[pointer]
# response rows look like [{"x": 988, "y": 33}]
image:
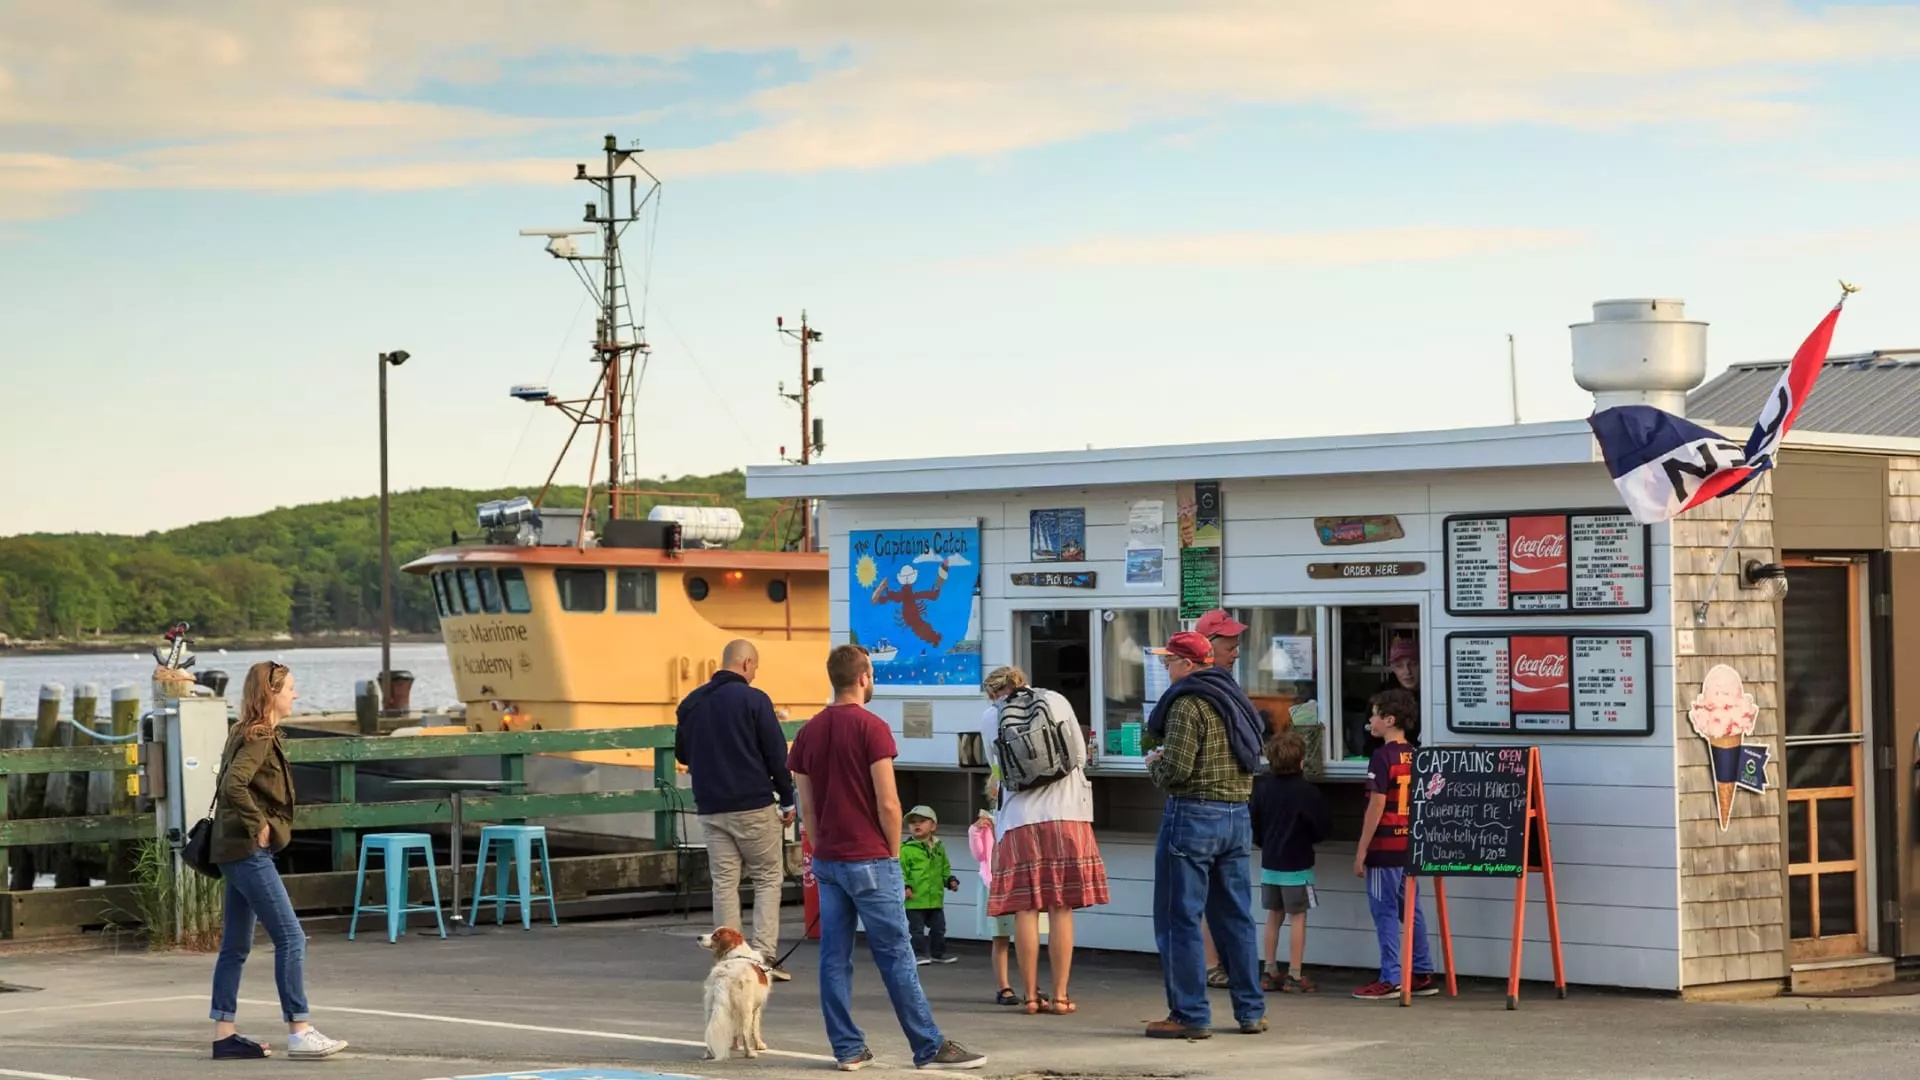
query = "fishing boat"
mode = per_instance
[{"x": 601, "y": 615}]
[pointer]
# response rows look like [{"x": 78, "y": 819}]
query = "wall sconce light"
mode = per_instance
[{"x": 1769, "y": 578}]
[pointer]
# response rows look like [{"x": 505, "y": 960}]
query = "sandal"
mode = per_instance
[
  {"x": 1006, "y": 996},
  {"x": 1032, "y": 1007},
  {"x": 1062, "y": 1005},
  {"x": 1269, "y": 984},
  {"x": 1217, "y": 978}
]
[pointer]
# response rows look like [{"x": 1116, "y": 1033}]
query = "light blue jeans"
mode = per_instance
[
  {"x": 254, "y": 891},
  {"x": 1387, "y": 898},
  {"x": 872, "y": 893},
  {"x": 1202, "y": 865}
]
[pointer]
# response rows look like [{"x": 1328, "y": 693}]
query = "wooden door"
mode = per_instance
[{"x": 1822, "y": 667}]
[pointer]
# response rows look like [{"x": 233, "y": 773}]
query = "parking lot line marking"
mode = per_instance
[
  {"x": 104, "y": 1004},
  {"x": 37, "y": 1076},
  {"x": 620, "y": 1036}
]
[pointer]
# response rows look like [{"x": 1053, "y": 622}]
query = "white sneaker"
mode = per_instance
[{"x": 310, "y": 1044}]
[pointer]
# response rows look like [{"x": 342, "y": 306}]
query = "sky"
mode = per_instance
[{"x": 1019, "y": 226}]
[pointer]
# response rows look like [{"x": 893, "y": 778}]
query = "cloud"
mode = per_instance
[
  {"x": 1340, "y": 248},
  {"x": 240, "y": 95}
]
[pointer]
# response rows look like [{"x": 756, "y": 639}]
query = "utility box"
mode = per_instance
[{"x": 179, "y": 760}]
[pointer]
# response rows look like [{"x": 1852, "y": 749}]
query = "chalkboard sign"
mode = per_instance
[{"x": 1469, "y": 811}]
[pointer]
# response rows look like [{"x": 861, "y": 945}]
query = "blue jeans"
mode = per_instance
[
  {"x": 1387, "y": 898},
  {"x": 873, "y": 893},
  {"x": 254, "y": 891},
  {"x": 1201, "y": 864}
]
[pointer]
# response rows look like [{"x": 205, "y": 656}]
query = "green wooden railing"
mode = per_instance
[{"x": 344, "y": 817}]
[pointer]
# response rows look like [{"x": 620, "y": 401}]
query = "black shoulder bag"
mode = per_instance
[{"x": 197, "y": 852}]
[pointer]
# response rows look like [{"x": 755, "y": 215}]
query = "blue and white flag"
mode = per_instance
[{"x": 1665, "y": 466}]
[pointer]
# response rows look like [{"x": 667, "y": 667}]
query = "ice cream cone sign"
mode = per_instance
[{"x": 1723, "y": 714}]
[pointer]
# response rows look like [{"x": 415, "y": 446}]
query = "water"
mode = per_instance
[{"x": 324, "y": 677}]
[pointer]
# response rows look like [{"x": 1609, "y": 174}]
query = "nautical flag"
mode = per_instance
[{"x": 1665, "y": 466}]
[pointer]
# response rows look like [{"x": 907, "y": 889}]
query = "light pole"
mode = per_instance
[{"x": 387, "y": 359}]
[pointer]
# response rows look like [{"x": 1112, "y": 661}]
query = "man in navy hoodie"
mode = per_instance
[{"x": 731, "y": 743}]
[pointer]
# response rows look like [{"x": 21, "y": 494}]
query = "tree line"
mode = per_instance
[{"x": 311, "y": 569}]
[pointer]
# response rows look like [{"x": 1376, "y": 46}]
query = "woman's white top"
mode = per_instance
[{"x": 1069, "y": 798}]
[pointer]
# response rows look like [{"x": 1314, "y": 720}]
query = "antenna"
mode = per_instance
[
  {"x": 813, "y": 437},
  {"x": 1513, "y": 379},
  {"x": 621, "y": 196}
]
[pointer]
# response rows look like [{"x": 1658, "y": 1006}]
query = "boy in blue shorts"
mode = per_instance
[{"x": 1289, "y": 817}]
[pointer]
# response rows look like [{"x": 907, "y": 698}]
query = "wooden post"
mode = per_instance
[
  {"x": 124, "y": 701},
  {"x": 666, "y": 778},
  {"x": 70, "y": 870},
  {"x": 33, "y": 797},
  {"x": 346, "y": 842},
  {"x": 1546, "y": 872},
  {"x": 1446, "y": 935},
  {"x": 1406, "y": 939},
  {"x": 513, "y": 768},
  {"x": 366, "y": 707}
]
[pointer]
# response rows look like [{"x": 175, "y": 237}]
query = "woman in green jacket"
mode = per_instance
[{"x": 252, "y": 820}]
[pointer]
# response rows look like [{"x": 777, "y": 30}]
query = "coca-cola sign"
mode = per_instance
[
  {"x": 1547, "y": 562},
  {"x": 1537, "y": 554},
  {"x": 1567, "y": 682},
  {"x": 1540, "y": 680}
]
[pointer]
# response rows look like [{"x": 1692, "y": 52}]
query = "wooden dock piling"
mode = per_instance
[
  {"x": 28, "y": 862},
  {"x": 125, "y": 703}
]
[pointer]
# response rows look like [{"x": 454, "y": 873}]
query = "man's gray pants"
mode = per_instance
[{"x": 752, "y": 840}]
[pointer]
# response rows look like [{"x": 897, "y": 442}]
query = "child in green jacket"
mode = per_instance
[{"x": 924, "y": 865}]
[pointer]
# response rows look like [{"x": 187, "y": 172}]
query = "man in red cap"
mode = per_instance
[
  {"x": 1208, "y": 748},
  {"x": 1222, "y": 632}
]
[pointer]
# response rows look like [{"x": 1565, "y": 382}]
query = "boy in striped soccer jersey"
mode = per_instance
[{"x": 1381, "y": 858}]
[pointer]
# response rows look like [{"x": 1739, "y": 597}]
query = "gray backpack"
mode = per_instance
[{"x": 1033, "y": 753}]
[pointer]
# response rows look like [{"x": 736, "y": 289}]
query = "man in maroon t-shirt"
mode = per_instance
[{"x": 842, "y": 763}]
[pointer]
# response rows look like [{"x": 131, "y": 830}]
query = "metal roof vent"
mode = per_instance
[{"x": 1640, "y": 352}]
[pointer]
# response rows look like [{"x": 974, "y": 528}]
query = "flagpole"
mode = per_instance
[
  {"x": 1700, "y": 609},
  {"x": 1733, "y": 541}
]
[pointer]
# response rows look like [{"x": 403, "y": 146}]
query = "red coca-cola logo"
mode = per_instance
[
  {"x": 1537, "y": 553},
  {"x": 1540, "y": 681}
]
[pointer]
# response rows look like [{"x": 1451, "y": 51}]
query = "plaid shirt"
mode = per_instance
[{"x": 1198, "y": 762}]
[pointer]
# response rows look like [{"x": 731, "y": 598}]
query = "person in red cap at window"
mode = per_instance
[
  {"x": 1207, "y": 737},
  {"x": 1222, "y": 632}
]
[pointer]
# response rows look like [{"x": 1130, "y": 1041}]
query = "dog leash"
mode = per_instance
[{"x": 812, "y": 924}]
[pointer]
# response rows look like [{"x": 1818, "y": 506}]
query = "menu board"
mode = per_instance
[
  {"x": 1563, "y": 682},
  {"x": 1469, "y": 811},
  {"x": 1546, "y": 562}
]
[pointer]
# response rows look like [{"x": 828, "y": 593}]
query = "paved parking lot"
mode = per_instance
[{"x": 618, "y": 1000}]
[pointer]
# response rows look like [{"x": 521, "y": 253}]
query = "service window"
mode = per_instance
[
  {"x": 581, "y": 590},
  {"x": 489, "y": 590},
  {"x": 1131, "y": 680},
  {"x": 1056, "y": 651},
  {"x": 636, "y": 591},
  {"x": 1376, "y": 647},
  {"x": 513, "y": 591},
  {"x": 469, "y": 592}
]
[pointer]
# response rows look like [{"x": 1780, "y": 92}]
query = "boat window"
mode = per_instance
[
  {"x": 696, "y": 589},
  {"x": 451, "y": 588},
  {"x": 513, "y": 589},
  {"x": 636, "y": 590},
  {"x": 439, "y": 596},
  {"x": 489, "y": 590},
  {"x": 469, "y": 592},
  {"x": 581, "y": 590},
  {"x": 777, "y": 590}
]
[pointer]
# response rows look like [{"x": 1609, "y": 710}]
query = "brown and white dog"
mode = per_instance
[{"x": 736, "y": 994}]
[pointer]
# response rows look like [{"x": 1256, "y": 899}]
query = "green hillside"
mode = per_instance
[{"x": 302, "y": 569}]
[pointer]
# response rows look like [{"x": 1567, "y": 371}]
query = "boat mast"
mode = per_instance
[
  {"x": 812, "y": 431},
  {"x": 613, "y": 349}
]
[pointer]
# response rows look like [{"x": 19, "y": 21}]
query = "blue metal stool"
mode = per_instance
[
  {"x": 520, "y": 840},
  {"x": 395, "y": 848}
]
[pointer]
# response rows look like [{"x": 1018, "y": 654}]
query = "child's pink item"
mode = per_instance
[{"x": 980, "y": 842}]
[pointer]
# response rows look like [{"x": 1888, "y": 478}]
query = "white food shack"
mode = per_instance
[{"x": 1542, "y": 615}]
